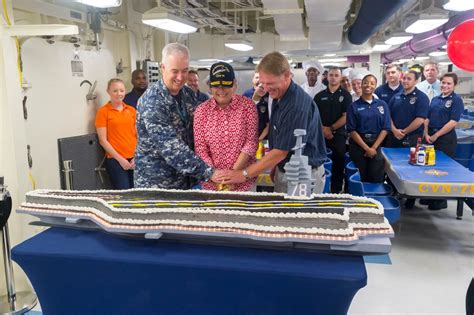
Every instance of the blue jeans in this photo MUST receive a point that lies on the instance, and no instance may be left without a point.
(120, 178)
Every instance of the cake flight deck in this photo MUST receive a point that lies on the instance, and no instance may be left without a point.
(326, 222)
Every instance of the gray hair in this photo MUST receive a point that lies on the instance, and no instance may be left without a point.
(173, 49)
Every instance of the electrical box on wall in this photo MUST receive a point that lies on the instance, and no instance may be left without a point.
(152, 70)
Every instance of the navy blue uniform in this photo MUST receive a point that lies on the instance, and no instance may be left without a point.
(132, 98)
(368, 120)
(404, 108)
(296, 110)
(442, 110)
(331, 107)
(201, 97)
(249, 93)
(385, 93)
(262, 111)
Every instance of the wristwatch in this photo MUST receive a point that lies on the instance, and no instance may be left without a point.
(246, 174)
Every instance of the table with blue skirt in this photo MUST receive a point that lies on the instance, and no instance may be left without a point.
(447, 179)
(93, 272)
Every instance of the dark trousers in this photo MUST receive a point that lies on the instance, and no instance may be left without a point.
(446, 143)
(407, 142)
(371, 169)
(120, 178)
(338, 147)
(470, 299)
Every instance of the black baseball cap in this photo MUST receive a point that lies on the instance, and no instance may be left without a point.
(222, 74)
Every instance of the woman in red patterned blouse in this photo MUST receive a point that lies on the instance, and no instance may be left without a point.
(225, 127)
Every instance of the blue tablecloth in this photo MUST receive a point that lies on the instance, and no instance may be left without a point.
(91, 272)
(445, 179)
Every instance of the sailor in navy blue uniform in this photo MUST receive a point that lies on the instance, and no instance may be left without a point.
(368, 121)
(408, 111)
(393, 85)
(140, 84)
(332, 104)
(445, 112)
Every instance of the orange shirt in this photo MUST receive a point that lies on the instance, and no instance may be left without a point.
(121, 128)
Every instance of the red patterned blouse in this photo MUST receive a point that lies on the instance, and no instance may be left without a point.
(221, 134)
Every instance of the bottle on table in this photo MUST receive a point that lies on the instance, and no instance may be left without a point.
(418, 144)
(412, 159)
(421, 156)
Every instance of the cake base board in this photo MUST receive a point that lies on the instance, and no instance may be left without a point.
(365, 245)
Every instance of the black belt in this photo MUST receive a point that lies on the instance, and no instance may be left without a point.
(369, 136)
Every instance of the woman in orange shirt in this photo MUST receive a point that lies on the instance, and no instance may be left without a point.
(116, 129)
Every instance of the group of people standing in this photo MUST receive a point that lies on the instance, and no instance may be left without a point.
(173, 143)
(397, 113)
(180, 144)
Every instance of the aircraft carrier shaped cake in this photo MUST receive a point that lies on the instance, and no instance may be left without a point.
(336, 219)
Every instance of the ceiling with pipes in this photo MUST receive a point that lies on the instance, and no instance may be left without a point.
(335, 26)
(301, 29)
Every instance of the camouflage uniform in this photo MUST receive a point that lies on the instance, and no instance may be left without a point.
(164, 156)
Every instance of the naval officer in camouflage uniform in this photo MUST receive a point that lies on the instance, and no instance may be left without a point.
(164, 156)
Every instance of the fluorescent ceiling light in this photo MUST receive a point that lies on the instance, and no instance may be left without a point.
(328, 60)
(207, 60)
(403, 60)
(422, 58)
(445, 63)
(101, 3)
(161, 18)
(444, 46)
(212, 60)
(381, 47)
(398, 39)
(459, 5)
(238, 44)
(426, 22)
(437, 53)
(331, 64)
(329, 55)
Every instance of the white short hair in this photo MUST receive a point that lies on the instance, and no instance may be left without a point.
(173, 49)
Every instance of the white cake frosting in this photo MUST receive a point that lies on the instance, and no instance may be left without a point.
(62, 209)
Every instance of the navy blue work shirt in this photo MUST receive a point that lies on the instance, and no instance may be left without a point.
(262, 111)
(443, 109)
(131, 98)
(368, 118)
(385, 93)
(332, 106)
(404, 108)
(296, 110)
(201, 97)
(249, 93)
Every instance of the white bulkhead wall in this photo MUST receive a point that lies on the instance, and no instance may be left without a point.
(57, 105)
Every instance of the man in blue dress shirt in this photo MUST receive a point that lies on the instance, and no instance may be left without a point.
(292, 108)
(431, 86)
(392, 86)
